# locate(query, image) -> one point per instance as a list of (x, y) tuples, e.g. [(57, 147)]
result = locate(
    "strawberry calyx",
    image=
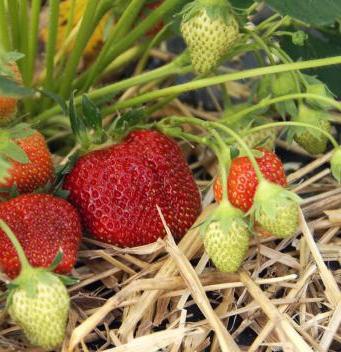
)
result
[(308, 116), (215, 9), (268, 195), (226, 214)]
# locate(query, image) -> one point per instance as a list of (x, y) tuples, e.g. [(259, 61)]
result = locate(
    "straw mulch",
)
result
[(169, 297)]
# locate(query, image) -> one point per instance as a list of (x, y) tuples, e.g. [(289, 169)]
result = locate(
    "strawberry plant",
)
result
[(121, 121)]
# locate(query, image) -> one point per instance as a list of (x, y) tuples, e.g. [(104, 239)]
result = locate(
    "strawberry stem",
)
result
[(20, 251), (267, 102), (223, 155), (292, 123)]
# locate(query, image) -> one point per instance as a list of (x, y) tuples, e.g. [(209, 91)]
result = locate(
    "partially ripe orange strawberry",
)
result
[(37, 172), (8, 105), (242, 180)]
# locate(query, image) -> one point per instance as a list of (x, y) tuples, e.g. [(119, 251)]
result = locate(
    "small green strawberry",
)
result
[(311, 140), (264, 138), (284, 84), (38, 300), (276, 210), (315, 86), (210, 30), (226, 237)]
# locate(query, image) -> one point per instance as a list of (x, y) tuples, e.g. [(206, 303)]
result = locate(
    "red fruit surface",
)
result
[(242, 181), (36, 173), (43, 224), (118, 188)]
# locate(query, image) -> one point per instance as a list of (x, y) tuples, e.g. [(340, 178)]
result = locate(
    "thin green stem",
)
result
[(33, 40), (24, 32), (51, 42), (206, 82), (21, 254), (84, 33), (5, 42), (223, 155), (124, 43), (244, 146), (13, 10), (119, 31), (263, 45), (267, 102), (112, 89), (277, 25), (293, 123), (209, 125)]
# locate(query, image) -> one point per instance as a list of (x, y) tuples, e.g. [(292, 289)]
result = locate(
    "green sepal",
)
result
[(226, 214), (127, 122), (93, 118), (56, 261), (286, 108), (215, 9), (57, 99), (335, 164), (20, 131), (12, 151), (268, 195), (67, 280), (9, 88)]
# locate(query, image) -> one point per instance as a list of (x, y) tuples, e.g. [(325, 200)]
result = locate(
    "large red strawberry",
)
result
[(43, 224), (117, 190), (39, 168), (242, 180)]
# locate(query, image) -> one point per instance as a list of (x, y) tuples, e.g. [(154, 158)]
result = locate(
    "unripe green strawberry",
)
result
[(276, 210), (209, 30), (38, 300), (283, 84), (226, 238), (264, 138), (42, 315), (311, 140)]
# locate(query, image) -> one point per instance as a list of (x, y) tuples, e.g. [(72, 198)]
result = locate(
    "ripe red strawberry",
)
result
[(8, 105), (242, 180), (43, 224), (38, 171), (117, 190)]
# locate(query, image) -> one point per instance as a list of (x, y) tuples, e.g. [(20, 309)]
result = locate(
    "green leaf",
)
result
[(4, 168), (91, 113), (9, 88), (241, 4), (11, 150), (319, 45), (57, 99), (315, 12)]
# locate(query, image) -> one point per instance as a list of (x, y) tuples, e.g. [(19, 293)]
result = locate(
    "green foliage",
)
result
[(315, 12)]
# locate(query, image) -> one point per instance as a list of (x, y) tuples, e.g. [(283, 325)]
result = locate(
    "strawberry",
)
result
[(313, 141), (117, 189), (242, 180), (276, 210), (37, 171), (264, 138), (8, 105), (43, 224), (210, 30), (37, 301), (226, 238)]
